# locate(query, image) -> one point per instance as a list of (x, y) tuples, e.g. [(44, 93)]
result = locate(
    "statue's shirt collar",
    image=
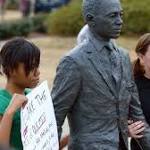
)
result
[(98, 42)]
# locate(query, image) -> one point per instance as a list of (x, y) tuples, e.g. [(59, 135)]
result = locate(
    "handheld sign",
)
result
[(38, 123)]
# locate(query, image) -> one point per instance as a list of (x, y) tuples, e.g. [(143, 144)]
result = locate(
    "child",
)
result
[(19, 61)]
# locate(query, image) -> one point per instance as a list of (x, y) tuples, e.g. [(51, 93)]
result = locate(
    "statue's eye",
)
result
[(116, 14), (113, 15)]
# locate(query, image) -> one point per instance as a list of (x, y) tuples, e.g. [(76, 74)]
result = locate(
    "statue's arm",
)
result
[(65, 89)]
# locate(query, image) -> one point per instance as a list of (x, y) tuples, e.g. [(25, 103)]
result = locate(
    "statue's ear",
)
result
[(90, 19)]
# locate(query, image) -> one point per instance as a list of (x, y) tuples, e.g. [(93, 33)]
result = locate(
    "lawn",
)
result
[(53, 48)]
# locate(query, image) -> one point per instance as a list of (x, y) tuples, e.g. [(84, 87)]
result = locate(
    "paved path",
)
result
[(11, 15)]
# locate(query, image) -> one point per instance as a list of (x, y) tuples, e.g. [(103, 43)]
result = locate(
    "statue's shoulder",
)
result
[(123, 51), (79, 50), (79, 53)]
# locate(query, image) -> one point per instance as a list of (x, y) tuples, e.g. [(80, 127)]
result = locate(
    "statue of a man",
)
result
[(94, 86)]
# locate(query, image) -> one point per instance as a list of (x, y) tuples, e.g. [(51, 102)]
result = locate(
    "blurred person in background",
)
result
[(2, 8), (82, 35), (25, 6)]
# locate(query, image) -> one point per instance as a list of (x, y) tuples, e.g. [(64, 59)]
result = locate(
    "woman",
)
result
[(141, 71)]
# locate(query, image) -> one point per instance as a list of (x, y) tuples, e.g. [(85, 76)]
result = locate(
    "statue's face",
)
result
[(108, 21)]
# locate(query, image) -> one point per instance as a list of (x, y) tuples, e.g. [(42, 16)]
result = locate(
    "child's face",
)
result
[(22, 80)]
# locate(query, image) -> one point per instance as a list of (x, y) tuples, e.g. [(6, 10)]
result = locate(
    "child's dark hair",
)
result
[(19, 50), (141, 48)]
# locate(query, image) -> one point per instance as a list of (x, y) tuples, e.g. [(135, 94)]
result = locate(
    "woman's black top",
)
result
[(143, 85)]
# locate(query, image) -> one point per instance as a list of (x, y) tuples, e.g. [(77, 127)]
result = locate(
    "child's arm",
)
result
[(5, 127), (6, 120)]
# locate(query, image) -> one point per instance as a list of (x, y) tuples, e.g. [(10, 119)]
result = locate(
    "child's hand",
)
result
[(64, 142), (17, 102)]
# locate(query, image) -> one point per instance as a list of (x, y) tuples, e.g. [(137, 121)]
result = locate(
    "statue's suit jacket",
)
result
[(96, 111)]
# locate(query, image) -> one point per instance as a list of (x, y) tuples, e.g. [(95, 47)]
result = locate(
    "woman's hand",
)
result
[(136, 129)]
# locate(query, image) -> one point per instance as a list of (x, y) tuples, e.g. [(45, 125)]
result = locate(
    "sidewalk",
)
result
[(11, 15)]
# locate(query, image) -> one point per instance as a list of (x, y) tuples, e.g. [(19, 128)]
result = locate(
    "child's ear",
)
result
[(12, 73)]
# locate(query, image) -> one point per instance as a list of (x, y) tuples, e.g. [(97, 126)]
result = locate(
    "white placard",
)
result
[(38, 123)]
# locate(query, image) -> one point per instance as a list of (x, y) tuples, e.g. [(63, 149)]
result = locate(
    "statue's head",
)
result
[(103, 17)]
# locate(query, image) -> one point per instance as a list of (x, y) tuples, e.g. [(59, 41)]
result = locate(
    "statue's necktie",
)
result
[(115, 64)]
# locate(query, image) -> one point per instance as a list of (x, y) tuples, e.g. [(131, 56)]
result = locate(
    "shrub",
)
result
[(65, 21), (136, 16), (13, 4), (22, 27), (68, 20)]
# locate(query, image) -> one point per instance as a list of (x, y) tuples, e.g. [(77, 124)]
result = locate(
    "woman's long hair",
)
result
[(141, 48)]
